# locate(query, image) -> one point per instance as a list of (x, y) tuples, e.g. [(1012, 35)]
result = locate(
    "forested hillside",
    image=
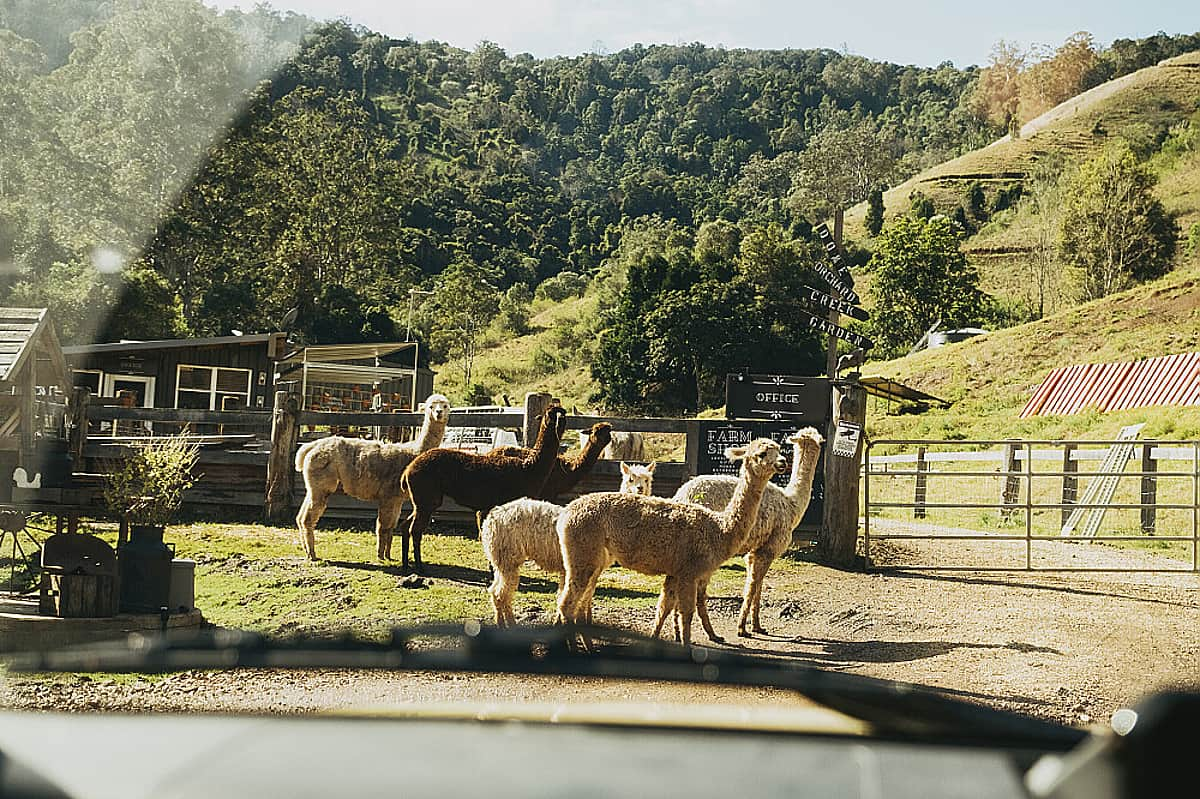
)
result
[(204, 172)]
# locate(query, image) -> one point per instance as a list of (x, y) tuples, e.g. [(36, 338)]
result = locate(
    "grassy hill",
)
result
[(1138, 107), (990, 378)]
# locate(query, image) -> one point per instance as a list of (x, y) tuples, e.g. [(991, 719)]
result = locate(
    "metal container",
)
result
[(145, 563), (183, 586)]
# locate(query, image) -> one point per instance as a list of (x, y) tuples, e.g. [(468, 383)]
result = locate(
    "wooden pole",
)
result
[(1149, 488), (1012, 481), (1070, 483), (536, 403), (838, 540), (919, 489), (78, 425), (281, 470)]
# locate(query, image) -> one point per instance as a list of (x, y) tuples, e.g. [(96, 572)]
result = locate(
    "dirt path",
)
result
[(1071, 648)]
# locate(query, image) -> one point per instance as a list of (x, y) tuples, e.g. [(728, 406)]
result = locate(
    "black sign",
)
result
[(823, 300), (825, 326), (716, 435), (836, 256), (836, 282), (777, 397)]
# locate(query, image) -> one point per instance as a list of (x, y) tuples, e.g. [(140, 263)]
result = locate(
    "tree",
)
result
[(464, 304), (1114, 230), (841, 166), (1044, 197), (921, 276), (1071, 69), (874, 218), (997, 95), (514, 308)]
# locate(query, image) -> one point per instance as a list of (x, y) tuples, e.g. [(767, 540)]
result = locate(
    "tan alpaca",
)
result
[(781, 510), (684, 541), (367, 470), (524, 530)]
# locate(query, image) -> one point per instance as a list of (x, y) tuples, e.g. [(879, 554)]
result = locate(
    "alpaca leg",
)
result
[(761, 565), (702, 610), (666, 604), (310, 511), (747, 596), (385, 528), (418, 522), (504, 586), (685, 594)]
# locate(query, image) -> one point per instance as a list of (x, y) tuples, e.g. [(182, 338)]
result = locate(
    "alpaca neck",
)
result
[(546, 448), (431, 434), (799, 488), (590, 454), (739, 517)]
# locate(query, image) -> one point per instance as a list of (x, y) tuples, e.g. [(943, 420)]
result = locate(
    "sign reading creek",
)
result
[(823, 300), (825, 326), (803, 400)]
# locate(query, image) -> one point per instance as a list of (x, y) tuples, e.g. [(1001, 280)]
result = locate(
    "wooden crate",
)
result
[(73, 596)]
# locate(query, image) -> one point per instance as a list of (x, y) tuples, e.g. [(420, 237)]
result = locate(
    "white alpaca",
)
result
[(684, 541), (781, 510), (624, 446), (524, 530), (365, 469)]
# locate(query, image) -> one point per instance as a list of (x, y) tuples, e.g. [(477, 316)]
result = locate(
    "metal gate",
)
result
[(1032, 505)]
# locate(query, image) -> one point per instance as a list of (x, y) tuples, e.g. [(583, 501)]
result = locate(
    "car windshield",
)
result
[(862, 349)]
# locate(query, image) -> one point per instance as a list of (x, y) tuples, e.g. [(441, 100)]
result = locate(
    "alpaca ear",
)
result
[(650, 468), (735, 453), (624, 468)]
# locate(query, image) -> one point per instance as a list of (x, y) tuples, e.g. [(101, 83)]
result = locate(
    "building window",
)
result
[(87, 378), (213, 388)]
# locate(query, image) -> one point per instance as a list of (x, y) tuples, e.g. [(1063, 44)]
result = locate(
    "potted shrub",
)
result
[(144, 492)]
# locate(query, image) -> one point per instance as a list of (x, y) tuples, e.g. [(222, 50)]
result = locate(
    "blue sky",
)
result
[(924, 33)]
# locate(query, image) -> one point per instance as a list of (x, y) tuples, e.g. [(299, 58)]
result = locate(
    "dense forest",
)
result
[(201, 172)]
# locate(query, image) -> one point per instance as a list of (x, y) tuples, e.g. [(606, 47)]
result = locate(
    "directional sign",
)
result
[(836, 282), (836, 256), (822, 300), (777, 397), (825, 326)]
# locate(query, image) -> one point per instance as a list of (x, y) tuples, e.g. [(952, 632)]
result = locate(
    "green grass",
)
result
[(255, 577)]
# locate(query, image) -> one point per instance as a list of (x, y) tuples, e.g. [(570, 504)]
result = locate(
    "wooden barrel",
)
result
[(73, 596)]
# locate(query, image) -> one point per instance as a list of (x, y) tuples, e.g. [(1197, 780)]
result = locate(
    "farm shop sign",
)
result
[(789, 398), (716, 435)]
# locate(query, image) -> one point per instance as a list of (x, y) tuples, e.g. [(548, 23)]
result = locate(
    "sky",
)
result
[(913, 32)]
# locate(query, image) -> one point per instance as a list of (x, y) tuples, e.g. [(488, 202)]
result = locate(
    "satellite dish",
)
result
[(289, 319)]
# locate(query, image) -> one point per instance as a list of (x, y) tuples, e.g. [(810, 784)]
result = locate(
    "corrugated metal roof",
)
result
[(1166, 380)]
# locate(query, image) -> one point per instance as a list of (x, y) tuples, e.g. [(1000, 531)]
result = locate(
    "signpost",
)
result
[(822, 300), (825, 326), (836, 282), (801, 400)]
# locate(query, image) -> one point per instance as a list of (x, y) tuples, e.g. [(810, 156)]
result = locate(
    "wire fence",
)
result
[(1009, 505)]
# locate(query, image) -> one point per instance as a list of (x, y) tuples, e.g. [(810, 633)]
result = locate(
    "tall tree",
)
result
[(997, 95), (921, 276), (1114, 230)]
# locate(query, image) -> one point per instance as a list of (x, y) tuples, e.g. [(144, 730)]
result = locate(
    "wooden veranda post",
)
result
[(839, 529), (281, 470), (536, 403)]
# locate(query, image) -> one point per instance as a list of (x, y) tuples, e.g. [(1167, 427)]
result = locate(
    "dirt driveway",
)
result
[(1071, 648)]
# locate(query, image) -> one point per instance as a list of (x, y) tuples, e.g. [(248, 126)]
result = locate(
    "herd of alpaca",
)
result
[(685, 538)]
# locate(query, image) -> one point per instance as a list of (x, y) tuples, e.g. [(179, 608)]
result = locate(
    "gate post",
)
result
[(281, 470), (1070, 483), (536, 403), (78, 426), (838, 538), (1012, 481), (919, 488), (1149, 488)]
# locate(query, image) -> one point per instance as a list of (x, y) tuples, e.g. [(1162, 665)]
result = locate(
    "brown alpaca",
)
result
[(652, 535), (480, 482), (365, 469), (567, 472)]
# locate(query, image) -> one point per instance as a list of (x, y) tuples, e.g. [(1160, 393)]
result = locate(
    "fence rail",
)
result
[(947, 499)]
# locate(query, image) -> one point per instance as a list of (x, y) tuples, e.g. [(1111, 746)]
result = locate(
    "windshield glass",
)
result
[(321, 319)]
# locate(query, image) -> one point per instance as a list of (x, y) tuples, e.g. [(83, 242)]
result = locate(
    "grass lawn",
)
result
[(255, 577)]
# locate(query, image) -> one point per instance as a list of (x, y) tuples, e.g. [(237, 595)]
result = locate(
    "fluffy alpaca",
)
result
[(781, 510), (626, 446), (567, 472), (653, 535), (480, 482), (365, 469), (524, 530)]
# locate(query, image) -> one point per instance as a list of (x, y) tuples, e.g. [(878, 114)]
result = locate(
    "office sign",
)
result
[(803, 400)]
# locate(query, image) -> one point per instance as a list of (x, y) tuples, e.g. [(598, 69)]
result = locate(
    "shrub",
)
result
[(562, 286), (147, 487)]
